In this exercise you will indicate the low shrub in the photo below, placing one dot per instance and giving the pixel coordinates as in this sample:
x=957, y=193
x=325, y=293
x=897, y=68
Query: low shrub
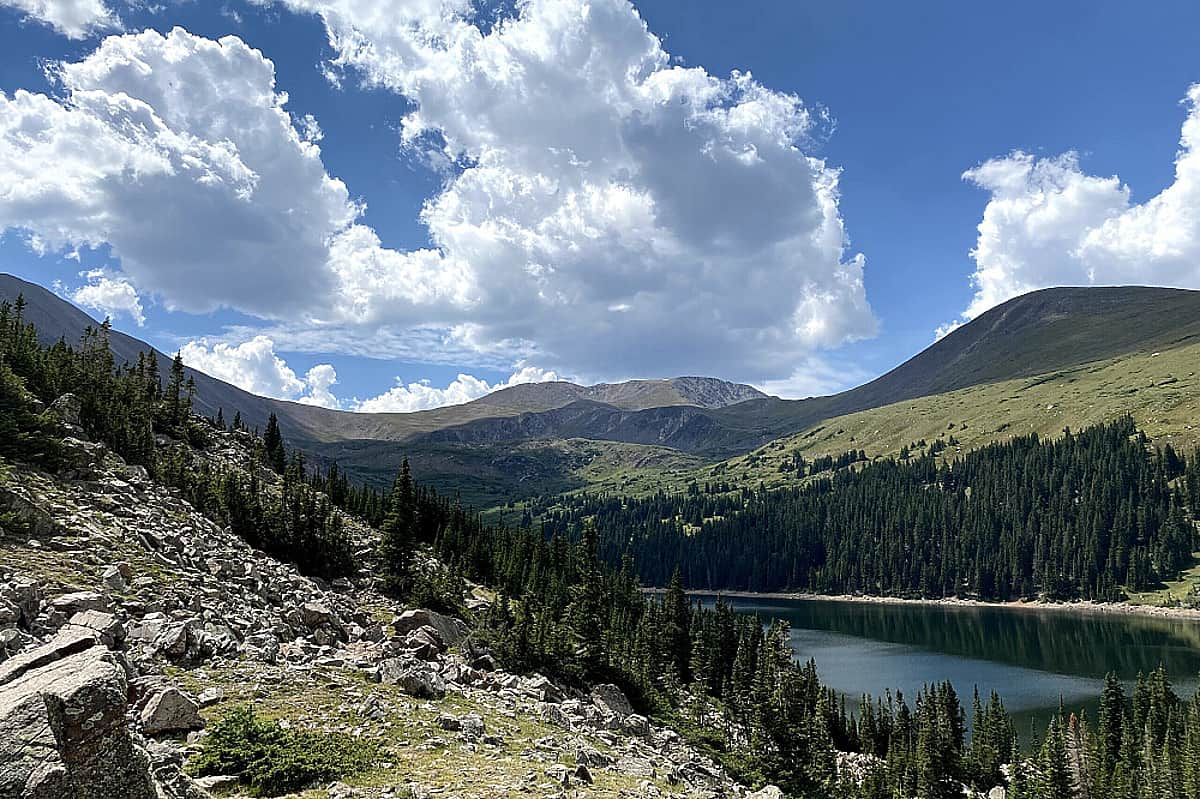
x=271, y=760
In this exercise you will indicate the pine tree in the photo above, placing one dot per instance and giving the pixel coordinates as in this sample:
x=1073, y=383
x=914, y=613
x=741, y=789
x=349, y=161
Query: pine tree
x=174, y=394
x=273, y=447
x=678, y=633
x=397, y=542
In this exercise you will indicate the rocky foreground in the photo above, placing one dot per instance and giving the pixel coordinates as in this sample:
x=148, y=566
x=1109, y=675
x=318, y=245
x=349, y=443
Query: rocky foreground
x=129, y=623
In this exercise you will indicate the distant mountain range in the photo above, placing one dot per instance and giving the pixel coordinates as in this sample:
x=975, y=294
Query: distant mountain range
x=529, y=438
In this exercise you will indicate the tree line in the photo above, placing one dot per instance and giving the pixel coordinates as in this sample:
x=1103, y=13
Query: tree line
x=129, y=406
x=1087, y=515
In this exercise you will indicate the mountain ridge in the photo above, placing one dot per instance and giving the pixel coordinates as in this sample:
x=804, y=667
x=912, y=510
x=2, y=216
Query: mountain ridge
x=1034, y=334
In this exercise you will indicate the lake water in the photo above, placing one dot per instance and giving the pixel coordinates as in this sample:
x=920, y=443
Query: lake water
x=1032, y=658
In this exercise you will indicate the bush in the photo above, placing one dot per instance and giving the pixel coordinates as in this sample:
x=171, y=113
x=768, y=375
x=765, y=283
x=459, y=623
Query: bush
x=272, y=761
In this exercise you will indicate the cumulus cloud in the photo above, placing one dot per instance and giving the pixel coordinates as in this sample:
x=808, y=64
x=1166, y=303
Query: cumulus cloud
x=320, y=379
x=111, y=295
x=75, y=19
x=1049, y=223
x=608, y=209
x=424, y=395
x=603, y=210
x=177, y=151
x=254, y=366
x=816, y=376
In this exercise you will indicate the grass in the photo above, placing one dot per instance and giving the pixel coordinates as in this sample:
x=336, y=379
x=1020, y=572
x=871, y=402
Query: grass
x=1174, y=593
x=1161, y=390
x=326, y=700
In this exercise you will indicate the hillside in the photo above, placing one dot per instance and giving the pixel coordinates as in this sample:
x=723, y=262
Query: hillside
x=1053, y=347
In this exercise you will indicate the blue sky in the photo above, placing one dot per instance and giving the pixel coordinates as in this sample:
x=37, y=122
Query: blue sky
x=656, y=264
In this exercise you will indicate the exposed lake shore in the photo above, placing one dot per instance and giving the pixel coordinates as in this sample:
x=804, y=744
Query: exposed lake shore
x=1111, y=608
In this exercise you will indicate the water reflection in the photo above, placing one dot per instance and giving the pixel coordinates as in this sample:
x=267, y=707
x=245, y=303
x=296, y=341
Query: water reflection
x=1033, y=658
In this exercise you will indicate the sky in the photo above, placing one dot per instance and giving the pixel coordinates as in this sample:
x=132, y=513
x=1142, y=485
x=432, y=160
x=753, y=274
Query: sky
x=400, y=204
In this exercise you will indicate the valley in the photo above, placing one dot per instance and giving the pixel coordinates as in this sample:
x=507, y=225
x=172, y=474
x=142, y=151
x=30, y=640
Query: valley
x=459, y=605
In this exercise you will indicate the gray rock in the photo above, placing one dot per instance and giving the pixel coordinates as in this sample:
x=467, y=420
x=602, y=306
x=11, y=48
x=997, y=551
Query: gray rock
x=71, y=604
x=68, y=641
x=107, y=628
x=63, y=732
x=27, y=596
x=315, y=615
x=10, y=614
x=586, y=755
x=636, y=725
x=412, y=677
x=612, y=699
x=582, y=775
x=220, y=785
x=12, y=641
x=172, y=641
x=560, y=774
x=68, y=409
x=769, y=792
x=114, y=580
x=448, y=722
x=424, y=642
x=472, y=725
x=169, y=710
x=210, y=696
x=449, y=629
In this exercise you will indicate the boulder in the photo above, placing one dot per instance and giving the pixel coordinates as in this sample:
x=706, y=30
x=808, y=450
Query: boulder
x=769, y=792
x=169, y=710
x=315, y=615
x=68, y=409
x=71, y=604
x=448, y=722
x=27, y=596
x=107, y=628
x=636, y=725
x=220, y=785
x=10, y=614
x=63, y=731
x=424, y=642
x=610, y=698
x=68, y=641
x=412, y=677
x=113, y=579
x=472, y=725
x=450, y=630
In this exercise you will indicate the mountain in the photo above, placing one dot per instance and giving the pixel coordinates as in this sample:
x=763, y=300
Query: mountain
x=534, y=438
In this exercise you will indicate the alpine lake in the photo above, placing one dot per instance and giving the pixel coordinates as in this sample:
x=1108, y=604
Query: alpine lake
x=1034, y=658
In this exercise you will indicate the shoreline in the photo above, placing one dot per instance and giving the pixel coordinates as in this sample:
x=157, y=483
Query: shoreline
x=1080, y=607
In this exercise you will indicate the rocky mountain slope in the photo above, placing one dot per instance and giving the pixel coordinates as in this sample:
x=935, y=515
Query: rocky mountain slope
x=130, y=623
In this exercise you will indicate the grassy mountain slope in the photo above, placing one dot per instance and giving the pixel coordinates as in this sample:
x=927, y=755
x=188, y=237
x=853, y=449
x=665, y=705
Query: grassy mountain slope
x=1161, y=389
x=1075, y=349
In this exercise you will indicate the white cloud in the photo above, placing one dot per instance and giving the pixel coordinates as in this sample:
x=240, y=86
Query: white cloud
x=605, y=198
x=112, y=295
x=254, y=366
x=816, y=377
x=177, y=151
x=603, y=211
x=424, y=395
x=76, y=19
x=1048, y=223
x=320, y=379
x=946, y=329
